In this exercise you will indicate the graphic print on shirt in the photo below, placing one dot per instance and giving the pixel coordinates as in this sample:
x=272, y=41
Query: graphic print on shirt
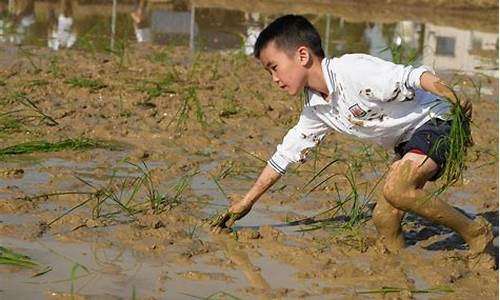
x=357, y=111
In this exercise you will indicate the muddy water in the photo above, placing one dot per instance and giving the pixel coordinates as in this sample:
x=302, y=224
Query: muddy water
x=195, y=56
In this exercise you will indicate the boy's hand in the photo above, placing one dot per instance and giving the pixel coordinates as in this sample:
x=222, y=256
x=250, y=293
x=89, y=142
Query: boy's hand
x=447, y=92
x=228, y=217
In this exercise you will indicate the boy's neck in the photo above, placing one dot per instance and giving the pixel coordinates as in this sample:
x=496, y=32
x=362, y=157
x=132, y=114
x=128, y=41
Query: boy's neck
x=316, y=80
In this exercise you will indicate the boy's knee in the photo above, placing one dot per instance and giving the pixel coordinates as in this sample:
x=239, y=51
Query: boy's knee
x=396, y=193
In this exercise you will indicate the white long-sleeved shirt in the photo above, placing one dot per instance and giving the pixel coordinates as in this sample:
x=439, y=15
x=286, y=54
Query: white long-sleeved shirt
x=370, y=99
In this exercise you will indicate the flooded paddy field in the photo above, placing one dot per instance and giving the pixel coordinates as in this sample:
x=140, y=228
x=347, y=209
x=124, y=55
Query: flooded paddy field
x=123, y=131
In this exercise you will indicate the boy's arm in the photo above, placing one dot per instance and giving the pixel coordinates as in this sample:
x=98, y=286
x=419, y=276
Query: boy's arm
x=308, y=132
x=241, y=208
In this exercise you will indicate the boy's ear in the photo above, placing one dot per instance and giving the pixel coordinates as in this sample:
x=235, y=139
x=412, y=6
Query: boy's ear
x=304, y=55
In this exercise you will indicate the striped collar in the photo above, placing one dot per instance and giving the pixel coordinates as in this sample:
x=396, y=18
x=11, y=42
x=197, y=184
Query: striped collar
x=313, y=98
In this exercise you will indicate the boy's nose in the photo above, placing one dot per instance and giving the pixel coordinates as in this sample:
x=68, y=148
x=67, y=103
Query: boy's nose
x=276, y=79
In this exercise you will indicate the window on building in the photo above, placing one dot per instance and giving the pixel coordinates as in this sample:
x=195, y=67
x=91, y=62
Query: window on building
x=445, y=46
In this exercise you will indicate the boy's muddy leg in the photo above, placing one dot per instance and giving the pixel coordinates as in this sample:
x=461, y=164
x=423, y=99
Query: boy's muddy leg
x=387, y=220
x=403, y=190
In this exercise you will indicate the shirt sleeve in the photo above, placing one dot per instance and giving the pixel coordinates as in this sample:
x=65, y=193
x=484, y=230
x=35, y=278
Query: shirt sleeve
x=308, y=133
x=381, y=80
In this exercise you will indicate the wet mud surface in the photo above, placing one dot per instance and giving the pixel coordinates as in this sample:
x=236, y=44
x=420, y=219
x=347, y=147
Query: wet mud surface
x=208, y=120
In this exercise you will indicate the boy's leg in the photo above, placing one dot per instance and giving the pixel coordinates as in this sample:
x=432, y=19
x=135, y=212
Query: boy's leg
x=403, y=190
x=387, y=220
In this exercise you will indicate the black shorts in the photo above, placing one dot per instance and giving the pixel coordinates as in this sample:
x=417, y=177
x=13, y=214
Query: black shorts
x=430, y=139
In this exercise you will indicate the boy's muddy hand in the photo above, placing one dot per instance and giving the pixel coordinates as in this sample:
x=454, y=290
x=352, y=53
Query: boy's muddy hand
x=227, y=218
x=447, y=92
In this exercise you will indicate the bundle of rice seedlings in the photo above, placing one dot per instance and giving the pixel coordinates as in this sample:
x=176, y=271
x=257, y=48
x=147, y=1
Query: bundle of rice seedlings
x=458, y=141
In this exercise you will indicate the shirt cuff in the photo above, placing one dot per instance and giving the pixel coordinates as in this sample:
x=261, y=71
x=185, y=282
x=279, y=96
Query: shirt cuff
x=278, y=163
x=414, y=77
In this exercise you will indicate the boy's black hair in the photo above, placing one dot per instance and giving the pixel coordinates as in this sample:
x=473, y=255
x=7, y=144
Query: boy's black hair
x=290, y=32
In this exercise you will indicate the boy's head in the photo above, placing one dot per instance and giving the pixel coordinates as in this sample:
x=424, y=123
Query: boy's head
x=287, y=48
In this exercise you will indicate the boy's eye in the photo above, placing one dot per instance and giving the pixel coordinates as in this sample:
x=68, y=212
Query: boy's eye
x=274, y=67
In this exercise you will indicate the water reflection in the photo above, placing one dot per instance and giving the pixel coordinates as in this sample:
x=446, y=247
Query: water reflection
x=16, y=20
x=61, y=32
x=211, y=28
x=141, y=23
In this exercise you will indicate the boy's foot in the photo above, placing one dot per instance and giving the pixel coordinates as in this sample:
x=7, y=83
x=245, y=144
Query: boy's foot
x=481, y=250
x=481, y=236
x=385, y=245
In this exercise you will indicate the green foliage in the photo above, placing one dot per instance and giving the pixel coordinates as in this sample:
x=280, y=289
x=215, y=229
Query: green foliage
x=10, y=257
x=44, y=146
x=402, y=54
x=157, y=88
x=90, y=84
x=387, y=290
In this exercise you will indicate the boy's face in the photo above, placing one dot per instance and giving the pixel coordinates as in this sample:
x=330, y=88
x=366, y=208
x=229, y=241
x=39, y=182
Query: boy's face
x=287, y=70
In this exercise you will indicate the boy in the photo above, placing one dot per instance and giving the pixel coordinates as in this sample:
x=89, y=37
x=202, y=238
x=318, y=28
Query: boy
x=371, y=99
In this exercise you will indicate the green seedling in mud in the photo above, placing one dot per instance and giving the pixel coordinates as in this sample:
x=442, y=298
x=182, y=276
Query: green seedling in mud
x=90, y=84
x=125, y=193
x=157, y=88
x=43, y=146
x=9, y=257
x=387, y=290
x=36, y=83
x=220, y=295
x=354, y=215
x=23, y=99
x=162, y=56
x=120, y=50
x=9, y=124
x=190, y=102
x=72, y=275
x=29, y=56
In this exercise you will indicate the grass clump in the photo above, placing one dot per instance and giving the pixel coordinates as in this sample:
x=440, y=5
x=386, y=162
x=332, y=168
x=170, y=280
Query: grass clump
x=90, y=84
x=190, y=102
x=387, y=290
x=122, y=199
x=44, y=146
x=458, y=141
x=31, y=107
x=12, y=258
x=157, y=88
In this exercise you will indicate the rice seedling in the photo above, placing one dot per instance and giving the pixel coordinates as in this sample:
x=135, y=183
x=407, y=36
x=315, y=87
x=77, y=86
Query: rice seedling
x=9, y=124
x=387, y=290
x=457, y=142
x=220, y=295
x=72, y=275
x=157, y=88
x=36, y=82
x=353, y=206
x=10, y=257
x=26, y=101
x=90, y=84
x=162, y=56
x=44, y=146
x=190, y=102
x=29, y=56
x=228, y=109
x=54, y=66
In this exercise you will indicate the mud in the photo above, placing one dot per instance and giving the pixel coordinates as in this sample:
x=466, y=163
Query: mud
x=200, y=116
